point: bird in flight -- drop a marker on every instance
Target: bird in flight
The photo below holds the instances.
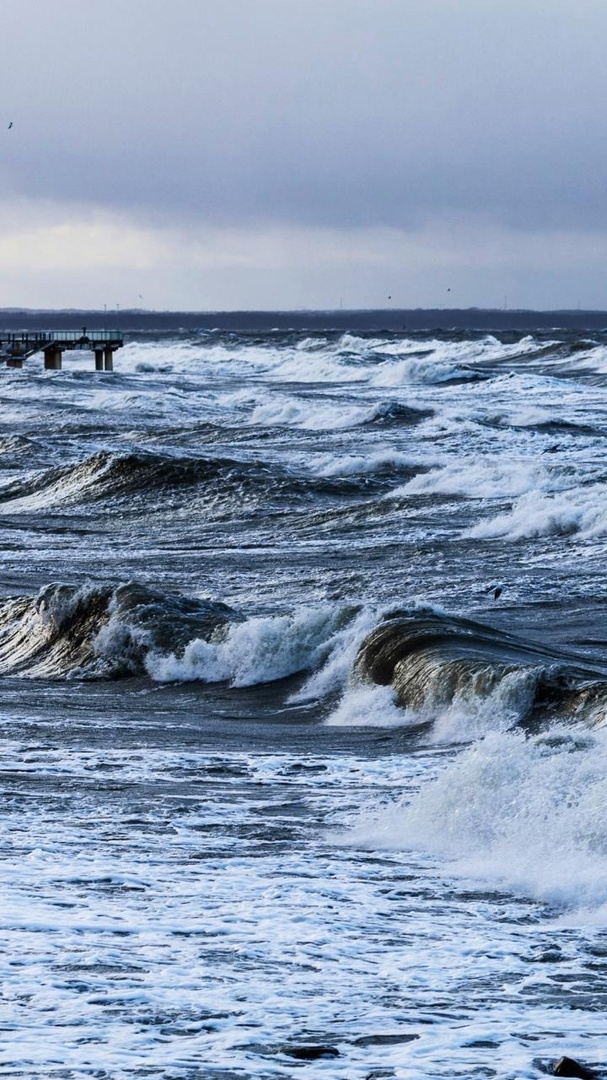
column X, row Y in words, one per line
column 10, row 125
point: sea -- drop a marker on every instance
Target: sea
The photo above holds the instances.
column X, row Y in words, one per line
column 303, row 707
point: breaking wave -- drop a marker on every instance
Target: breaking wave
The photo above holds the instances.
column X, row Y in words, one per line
column 137, row 479
column 425, row 370
column 111, row 632
column 526, row 812
column 465, row 679
column 522, row 804
column 258, row 650
column 487, row 478
column 536, row 514
column 312, row 416
column 100, row 631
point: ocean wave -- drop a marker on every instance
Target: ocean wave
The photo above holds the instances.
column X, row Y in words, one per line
column 14, row 444
column 309, row 415
column 100, row 631
column 543, row 421
column 314, row 416
column 526, row 812
column 348, row 357
column 381, row 461
column 116, row 631
column 535, row 514
column 485, row 478
column 318, row 367
column 104, row 475
column 582, row 358
column 467, row 678
column 258, row 650
column 217, row 486
column 434, row 361
column 424, row 370
column 198, row 353
column 396, row 414
column 386, row 361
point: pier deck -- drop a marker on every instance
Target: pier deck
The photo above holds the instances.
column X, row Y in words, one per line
column 16, row 347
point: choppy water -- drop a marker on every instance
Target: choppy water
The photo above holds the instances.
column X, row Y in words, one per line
column 304, row 686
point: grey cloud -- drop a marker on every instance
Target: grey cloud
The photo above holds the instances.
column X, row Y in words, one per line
column 329, row 112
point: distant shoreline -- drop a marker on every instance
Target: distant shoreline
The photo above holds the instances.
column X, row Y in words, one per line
column 388, row 319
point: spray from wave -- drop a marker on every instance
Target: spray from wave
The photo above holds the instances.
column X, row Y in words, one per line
column 116, row 631
column 535, row 514
column 258, row 650
column 525, row 813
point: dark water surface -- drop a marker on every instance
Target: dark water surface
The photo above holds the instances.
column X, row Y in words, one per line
column 304, row 683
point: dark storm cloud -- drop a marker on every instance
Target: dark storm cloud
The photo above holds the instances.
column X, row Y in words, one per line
column 329, row 112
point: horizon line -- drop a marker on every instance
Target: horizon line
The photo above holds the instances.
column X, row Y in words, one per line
column 111, row 313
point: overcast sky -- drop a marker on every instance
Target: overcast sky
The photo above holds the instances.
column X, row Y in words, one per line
column 216, row 154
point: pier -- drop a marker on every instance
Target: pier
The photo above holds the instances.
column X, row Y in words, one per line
column 16, row 347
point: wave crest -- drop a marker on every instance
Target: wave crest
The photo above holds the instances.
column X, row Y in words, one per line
column 100, row 631
column 467, row 677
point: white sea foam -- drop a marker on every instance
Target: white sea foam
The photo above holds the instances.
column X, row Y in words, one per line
column 359, row 464
column 451, row 423
column 593, row 359
column 370, row 706
column 437, row 362
column 484, row 478
column 336, row 670
column 195, row 356
column 530, row 416
column 291, row 412
column 319, row 367
column 256, row 651
column 524, row 813
column 583, row 511
column 417, row 369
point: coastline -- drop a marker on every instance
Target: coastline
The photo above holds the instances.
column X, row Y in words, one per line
column 378, row 319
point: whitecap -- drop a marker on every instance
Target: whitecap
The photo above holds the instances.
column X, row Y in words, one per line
column 259, row 650
column 527, row 814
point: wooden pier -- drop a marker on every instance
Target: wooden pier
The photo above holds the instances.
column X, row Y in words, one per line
column 16, row 347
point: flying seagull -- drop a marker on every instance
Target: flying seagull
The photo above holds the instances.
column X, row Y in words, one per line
column 10, row 125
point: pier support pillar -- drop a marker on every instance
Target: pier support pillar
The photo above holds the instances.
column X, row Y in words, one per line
column 98, row 359
column 108, row 355
column 52, row 358
column 14, row 361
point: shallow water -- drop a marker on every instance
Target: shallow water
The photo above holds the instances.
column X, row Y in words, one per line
column 220, row 849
